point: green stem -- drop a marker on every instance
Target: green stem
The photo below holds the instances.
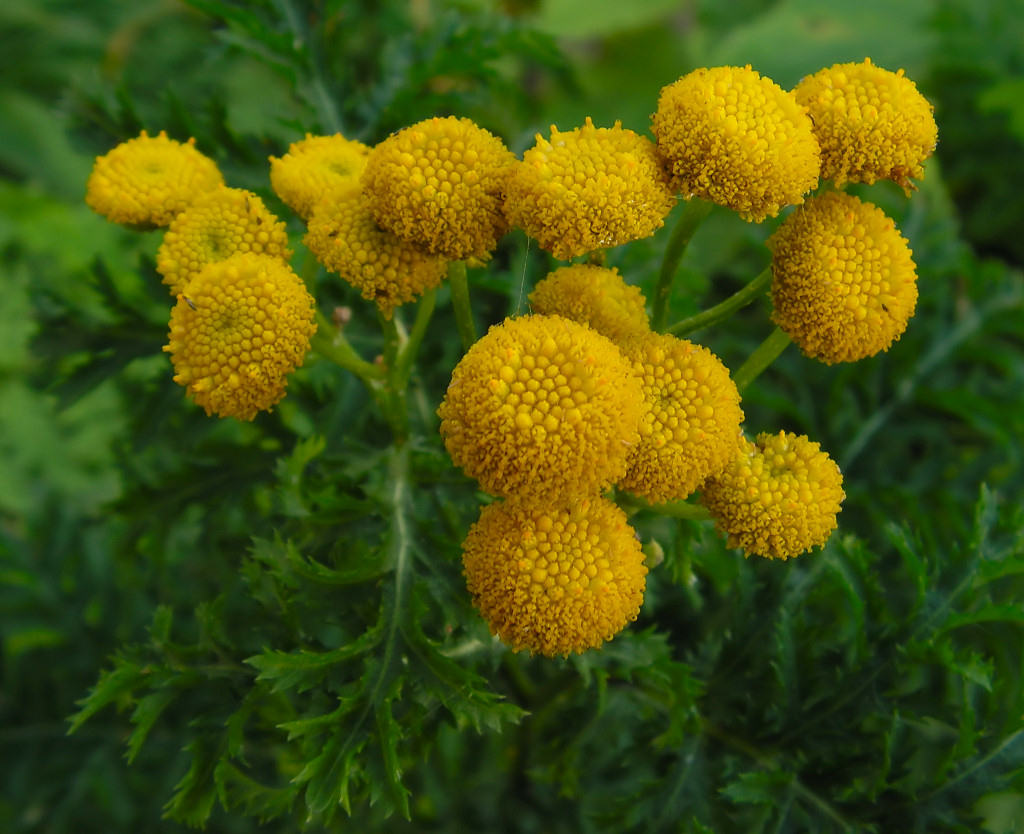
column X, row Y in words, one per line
column 724, row 309
column 675, row 509
column 694, row 212
column 393, row 397
column 763, row 356
column 407, row 354
column 460, row 303
column 329, row 342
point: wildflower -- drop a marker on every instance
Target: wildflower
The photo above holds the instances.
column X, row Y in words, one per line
column 314, row 168
column 218, row 224
column 692, row 428
column 596, row 296
column 386, row 269
column 844, row 282
column 555, row 578
column 734, row 137
column 542, row 406
column 239, row 328
column 872, row 123
column 147, row 180
column 588, row 189
column 778, row 497
column 439, row 184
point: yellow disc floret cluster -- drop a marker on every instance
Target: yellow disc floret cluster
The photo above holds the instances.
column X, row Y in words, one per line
column 588, row 189
column 844, row 282
column 734, row 137
column 542, row 406
column 316, row 167
column 439, row 184
column 778, row 497
column 239, row 328
column 555, row 578
column 386, row 269
column 218, row 224
column 148, row 180
column 692, row 428
column 871, row 123
column 596, row 296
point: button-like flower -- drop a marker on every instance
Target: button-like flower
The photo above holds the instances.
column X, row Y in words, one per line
column 148, row 180
column 316, row 167
column 555, row 579
column 542, row 406
column 734, row 137
column 778, row 497
column 596, row 296
column 439, row 184
column 844, row 284
column 239, row 328
column 692, row 429
column 214, row 227
column 386, row 269
column 587, row 189
column 871, row 123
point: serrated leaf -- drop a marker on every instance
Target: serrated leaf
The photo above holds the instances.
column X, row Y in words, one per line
column 760, row 787
column 1013, row 614
column 144, row 716
column 237, row 789
column 195, row 794
column 388, row 736
column 113, row 684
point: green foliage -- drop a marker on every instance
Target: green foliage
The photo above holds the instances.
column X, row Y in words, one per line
column 266, row 624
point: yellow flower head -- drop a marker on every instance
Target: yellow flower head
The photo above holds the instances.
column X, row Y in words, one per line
column 778, row 497
column 148, row 180
column 555, row 579
column 314, row 168
column 872, row 123
column 216, row 226
column 239, row 328
column 734, row 137
column 693, row 426
column 439, row 184
column 384, row 268
column 542, row 406
column 844, row 282
column 596, row 296
column 587, row 189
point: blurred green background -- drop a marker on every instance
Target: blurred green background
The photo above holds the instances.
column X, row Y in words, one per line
column 94, row 435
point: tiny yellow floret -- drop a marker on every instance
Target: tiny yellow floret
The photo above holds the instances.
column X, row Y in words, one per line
column 542, row 406
column 734, row 137
column 692, row 429
column 871, row 123
column 148, row 180
column 555, row 579
column 217, row 225
column 316, row 167
column 239, row 328
column 439, row 184
column 593, row 295
column 778, row 498
column 844, row 281
column 590, row 188
column 386, row 269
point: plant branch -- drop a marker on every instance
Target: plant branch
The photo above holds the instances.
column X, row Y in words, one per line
column 724, row 309
column 460, row 303
column 763, row 356
column 694, row 212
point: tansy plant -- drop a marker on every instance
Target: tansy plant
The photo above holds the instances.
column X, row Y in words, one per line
column 574, row 419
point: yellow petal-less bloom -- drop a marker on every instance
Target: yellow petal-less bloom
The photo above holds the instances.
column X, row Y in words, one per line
column 316, row 167
column 596, row 296
column 871, row 123
column 386, row 269
column 587, row 189
column 555, row 579
column 439, row 184
column 734, row 137
column 217, row 225
column 148, row 180
column 778, row 497
column 542, row 406
column 844, row 284
column 692, row 429
column 239, row 328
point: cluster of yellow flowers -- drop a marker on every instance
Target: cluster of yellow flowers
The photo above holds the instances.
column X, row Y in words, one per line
column 548, row 411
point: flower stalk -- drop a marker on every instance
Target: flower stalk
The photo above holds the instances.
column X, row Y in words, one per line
column 694, row 212
column 724, row 309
